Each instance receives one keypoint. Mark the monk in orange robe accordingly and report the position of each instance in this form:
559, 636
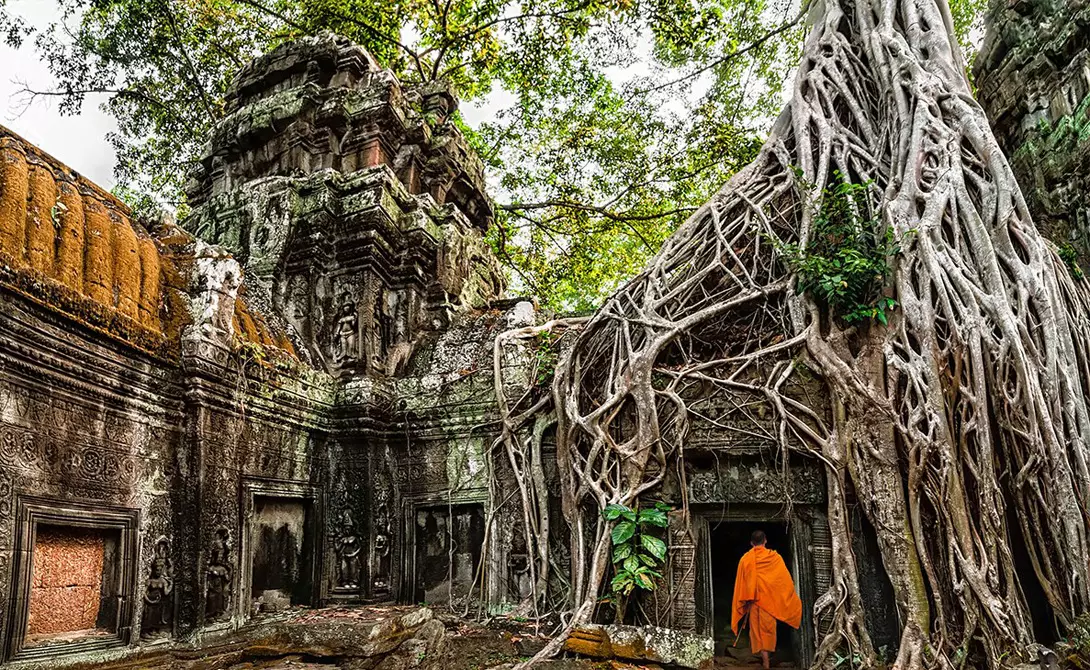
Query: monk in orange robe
765, 592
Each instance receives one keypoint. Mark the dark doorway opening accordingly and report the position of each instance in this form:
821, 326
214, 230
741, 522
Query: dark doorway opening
447, 554
1040, 611
281, 554
729, 542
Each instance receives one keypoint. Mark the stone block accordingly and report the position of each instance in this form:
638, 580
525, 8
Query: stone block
643, 643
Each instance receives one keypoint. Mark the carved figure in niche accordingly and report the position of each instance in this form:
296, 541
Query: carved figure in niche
218, 576
348, 555
381, 333
346, 345
380, 583
159, 592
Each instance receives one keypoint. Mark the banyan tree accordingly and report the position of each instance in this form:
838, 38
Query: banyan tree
880, 244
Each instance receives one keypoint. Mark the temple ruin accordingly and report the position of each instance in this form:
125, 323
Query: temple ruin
287, 398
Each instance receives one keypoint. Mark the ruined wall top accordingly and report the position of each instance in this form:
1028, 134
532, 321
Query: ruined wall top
73, 246
1033, 80
323, 103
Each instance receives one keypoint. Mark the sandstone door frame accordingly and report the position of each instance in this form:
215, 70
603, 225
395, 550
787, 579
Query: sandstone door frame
32, 511
314, 522
801, 561
410, 506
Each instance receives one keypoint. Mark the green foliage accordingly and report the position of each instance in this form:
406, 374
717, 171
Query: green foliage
618, 117
846, 263
1070, 255
546, 354
638, 552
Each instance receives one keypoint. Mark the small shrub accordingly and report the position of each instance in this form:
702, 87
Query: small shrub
846, 263
1070, 255
545, 358
638, 552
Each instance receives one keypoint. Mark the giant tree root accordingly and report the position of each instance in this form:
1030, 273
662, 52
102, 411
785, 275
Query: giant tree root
960, 427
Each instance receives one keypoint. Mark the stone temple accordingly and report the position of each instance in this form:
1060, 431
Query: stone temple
287, 398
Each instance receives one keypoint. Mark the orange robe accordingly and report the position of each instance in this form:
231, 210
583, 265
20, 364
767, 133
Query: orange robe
765, 590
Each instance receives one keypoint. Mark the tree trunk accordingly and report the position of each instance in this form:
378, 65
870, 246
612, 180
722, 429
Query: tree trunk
973, 398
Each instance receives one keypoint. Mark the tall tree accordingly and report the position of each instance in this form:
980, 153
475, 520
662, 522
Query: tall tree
880, 247
625, 115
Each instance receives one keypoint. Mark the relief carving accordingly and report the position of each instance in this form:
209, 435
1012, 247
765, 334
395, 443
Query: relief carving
218, 587
380, 580
159, 593
349, 547
346, 348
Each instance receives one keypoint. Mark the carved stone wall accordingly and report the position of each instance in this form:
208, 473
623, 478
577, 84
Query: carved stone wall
80, 420
1033, 79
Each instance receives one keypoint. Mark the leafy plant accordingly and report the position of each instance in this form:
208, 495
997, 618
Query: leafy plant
1070, 255
638, 552
545, 358
846, 263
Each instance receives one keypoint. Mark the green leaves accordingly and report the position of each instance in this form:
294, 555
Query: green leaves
654, 516
654, 546
847, 262
623, 532
637, 552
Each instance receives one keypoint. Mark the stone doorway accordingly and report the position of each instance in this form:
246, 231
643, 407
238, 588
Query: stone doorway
447, 542
722, 533
728, 542
73, 585
281, 554
74, 578
279, 550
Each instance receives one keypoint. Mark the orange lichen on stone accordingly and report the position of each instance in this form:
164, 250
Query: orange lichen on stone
245, 326
66, 581
263, 334
126, 259
41, 233
69, 266
67, 244
13, 195
98, 266
284, 342
150, 284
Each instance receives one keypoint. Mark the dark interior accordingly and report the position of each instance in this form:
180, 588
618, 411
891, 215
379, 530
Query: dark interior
1040, 611
281, 552
448, 543
729, 542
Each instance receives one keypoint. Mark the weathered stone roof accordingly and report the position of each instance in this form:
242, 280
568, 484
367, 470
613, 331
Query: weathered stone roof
67, 242
323, 103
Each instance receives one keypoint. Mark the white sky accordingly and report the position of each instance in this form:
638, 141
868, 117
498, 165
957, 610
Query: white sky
77, 141
80, 141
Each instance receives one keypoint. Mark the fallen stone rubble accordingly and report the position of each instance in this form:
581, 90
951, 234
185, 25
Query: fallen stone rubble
401, 638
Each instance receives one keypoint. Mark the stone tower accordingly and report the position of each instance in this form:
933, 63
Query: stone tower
353, 203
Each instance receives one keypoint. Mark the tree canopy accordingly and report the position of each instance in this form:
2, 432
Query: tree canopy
621, 116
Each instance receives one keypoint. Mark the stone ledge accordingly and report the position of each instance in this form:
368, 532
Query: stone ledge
643, 643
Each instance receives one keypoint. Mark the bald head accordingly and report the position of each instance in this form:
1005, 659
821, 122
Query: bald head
758, 538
